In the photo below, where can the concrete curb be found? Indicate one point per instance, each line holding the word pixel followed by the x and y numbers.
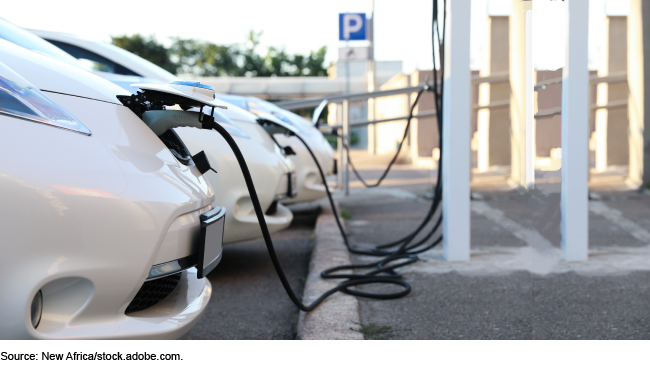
pixel 334 318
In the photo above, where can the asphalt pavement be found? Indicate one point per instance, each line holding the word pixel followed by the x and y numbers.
pixel 493 296
pixel 481 299
pixel 248 301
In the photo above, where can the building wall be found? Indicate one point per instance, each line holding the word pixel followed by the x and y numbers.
pixel 548 130
pixel 427 127
pixel 611 125
pixel 389 134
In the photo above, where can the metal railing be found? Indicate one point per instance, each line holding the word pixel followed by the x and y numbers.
pixel 343 137
pixel 593 79
pixel 494 78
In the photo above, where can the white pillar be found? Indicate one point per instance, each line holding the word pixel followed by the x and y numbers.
pixel 456 133
pixel 575 133
pixel 530 103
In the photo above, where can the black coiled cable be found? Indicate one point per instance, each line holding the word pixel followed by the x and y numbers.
pixel 352 279
pixel 384 270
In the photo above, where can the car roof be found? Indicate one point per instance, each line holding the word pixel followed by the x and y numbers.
pixel 113 53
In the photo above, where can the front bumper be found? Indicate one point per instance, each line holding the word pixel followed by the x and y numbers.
pixel 169 319
pixel 246 225
pixel 309 183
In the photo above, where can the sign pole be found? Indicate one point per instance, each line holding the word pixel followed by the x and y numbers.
pixel 371 79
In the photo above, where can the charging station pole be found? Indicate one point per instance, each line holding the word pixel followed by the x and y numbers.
pixel 575 134
pixel 456 132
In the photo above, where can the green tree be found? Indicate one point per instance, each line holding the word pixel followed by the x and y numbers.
pixel 252 63
pixel 147 48
pixel 313 65
pixel 279 63
pixel 202 58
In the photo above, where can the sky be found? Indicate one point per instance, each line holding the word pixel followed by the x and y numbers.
pixel 402 28
pixel 549 28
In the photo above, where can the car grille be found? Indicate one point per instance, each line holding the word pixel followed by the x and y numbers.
pixel 153 292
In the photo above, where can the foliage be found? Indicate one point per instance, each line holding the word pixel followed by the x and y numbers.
pixel 333 141
pixel 372 331
pixel 147 48
pixel 354 138
pixel 202 58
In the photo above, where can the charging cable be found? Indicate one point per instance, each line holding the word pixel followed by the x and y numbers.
pixel 384 270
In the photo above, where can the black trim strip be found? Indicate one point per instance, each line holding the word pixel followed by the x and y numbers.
pixel 172 267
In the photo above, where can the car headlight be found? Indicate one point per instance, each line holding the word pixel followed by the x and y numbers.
pixel 20 99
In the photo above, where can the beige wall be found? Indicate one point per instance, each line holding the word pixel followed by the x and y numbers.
pixel 388 134
pixel 493 122
pixel 425 137
pixel 548 130
pixel 611 133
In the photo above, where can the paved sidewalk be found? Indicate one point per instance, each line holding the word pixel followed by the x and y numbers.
pixel 515 286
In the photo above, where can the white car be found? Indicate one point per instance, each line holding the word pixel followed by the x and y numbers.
pixel 274 175
pixel 102 228
pixel 310 184
pixel 272 172
pixel 111 59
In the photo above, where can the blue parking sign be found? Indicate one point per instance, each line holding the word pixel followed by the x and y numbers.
pixel 352 27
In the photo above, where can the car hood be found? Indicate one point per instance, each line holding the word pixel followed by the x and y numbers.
pixel 52 75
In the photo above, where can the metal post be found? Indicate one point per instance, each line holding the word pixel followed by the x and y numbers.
pixel 575 134
pixel 456 133
pixel 345 142
pixel 339 147
pixel 372 129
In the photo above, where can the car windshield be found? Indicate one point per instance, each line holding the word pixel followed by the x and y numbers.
pixel 234 100
pixel 259 106
pixel 159 73
pixel 25 39
pixel 92 61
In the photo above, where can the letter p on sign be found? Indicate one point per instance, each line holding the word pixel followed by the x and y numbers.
pixel 352 27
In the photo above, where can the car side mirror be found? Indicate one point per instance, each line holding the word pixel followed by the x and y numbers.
pixel 317 112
